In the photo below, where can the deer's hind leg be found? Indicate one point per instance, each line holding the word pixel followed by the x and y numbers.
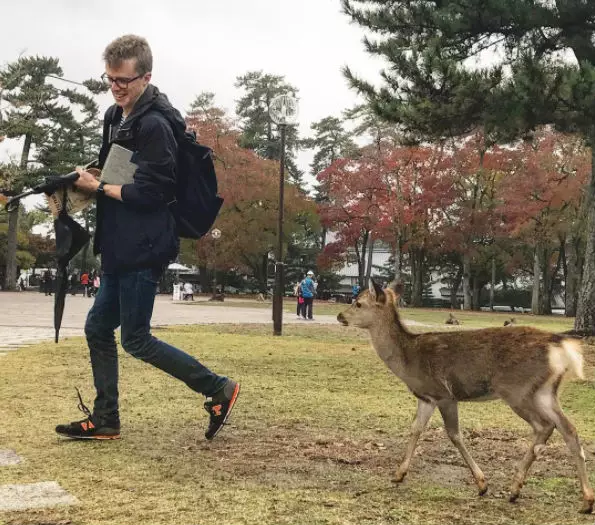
pixel 425 409
pixel 542 430
pixel 546 402
pixel 450 416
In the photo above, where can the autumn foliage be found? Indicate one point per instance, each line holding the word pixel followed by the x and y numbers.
pixel 468 198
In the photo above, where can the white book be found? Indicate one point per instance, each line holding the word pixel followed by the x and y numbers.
pixel 118 169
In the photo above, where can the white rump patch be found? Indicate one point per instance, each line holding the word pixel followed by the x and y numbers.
pixel 565 357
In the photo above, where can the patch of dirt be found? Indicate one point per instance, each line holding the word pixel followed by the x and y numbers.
pixel 34 521
pixel 292 457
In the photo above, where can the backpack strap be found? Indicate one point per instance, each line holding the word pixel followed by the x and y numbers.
pixel 108 122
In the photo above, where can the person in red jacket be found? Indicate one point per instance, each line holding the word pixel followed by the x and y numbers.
pixel 85 283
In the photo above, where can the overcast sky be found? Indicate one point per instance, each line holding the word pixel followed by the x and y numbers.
pixel 200 46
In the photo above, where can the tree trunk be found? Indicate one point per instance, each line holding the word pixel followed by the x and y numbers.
pixel 361 260
pixel 323 238
pixel 263 276
pixel 536 296
pixel 467 298
pixel 417 287
pixel 585 312
pixel 476 293
pixel 492 284
pixel 454 290
pixel 10 279
pixel 204 278
pixel 571 276
pixel 549 279
pixel 398 256
pixel 369 263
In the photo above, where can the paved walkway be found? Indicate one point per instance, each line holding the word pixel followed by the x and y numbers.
pixel 28 317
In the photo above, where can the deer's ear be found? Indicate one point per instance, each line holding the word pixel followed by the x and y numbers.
pixel 397 287
pixel 376 291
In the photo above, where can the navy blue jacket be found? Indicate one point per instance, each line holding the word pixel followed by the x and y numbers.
pixel 140 231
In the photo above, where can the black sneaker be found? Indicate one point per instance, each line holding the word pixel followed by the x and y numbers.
pixel 88 428
pixel 219 412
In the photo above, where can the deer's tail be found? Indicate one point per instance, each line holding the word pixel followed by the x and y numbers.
pixel 567 357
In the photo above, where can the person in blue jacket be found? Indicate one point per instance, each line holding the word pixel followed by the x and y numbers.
pixel 308 291
pixel 355 290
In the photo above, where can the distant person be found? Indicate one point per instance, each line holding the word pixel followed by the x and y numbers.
pixel 47 282
pixel 188 292
pixel 308 289
pixel 297 291
pixel 85 284
pixel 96 283
pixel 355 290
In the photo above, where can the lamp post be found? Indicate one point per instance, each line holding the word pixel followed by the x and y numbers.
pixel 283 112
pixel 215 235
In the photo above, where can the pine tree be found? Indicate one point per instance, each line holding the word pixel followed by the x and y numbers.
pixel 259 132
pixel 436 88
pixel 37 112
pixel 330 142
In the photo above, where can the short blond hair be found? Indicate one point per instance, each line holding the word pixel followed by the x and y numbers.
pixel 126 47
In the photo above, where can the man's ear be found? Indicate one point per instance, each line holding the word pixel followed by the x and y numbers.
pixel 376 291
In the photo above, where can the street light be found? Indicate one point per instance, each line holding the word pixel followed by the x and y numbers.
pixel 215 235
pixel 283 112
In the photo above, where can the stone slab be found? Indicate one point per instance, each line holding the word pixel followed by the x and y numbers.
pixel 34 496
pixel 9 457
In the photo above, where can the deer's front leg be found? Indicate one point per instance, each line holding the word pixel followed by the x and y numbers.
pixel 450 415
pixel 425 409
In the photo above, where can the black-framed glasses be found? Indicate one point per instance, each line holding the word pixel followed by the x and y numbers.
pixel 122 83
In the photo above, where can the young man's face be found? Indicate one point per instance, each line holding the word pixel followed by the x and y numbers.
pixel 127 91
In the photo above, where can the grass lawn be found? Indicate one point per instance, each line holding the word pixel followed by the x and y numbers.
pixel 318 430
pixel 554 323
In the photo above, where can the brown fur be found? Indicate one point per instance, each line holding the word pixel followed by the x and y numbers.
pixel 522 366
pixel 452 320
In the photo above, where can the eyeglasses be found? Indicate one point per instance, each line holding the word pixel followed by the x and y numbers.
pixel 122 83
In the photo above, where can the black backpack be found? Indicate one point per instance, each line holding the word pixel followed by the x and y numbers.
pixel 196 203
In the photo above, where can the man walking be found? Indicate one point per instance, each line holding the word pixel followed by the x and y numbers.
pixel 136 236
pixel 308 290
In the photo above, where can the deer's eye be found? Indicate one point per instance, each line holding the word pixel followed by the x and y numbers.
pixel 358 305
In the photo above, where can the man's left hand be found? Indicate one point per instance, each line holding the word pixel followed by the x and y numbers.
pixel 86 181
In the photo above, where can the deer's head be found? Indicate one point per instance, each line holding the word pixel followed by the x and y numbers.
pixel 370 305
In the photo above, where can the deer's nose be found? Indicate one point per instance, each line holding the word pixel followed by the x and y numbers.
pixel 342 320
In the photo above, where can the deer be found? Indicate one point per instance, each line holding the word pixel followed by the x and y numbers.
pixel 452 320
pixel 522 366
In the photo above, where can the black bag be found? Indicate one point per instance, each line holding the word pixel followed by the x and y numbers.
pixel 197 203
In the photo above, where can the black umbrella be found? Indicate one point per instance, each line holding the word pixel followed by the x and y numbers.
pixel 71 237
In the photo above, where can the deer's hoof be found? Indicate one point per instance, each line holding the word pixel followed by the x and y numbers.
pixel 513 497
pixel 399 477
pixel 483 488
pixel 587 507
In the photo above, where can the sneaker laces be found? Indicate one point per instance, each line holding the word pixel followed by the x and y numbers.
pixel 81 406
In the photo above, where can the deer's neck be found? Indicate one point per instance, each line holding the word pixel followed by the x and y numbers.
pixel 393 342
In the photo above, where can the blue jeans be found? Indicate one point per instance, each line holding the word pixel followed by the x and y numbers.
pixel 126 299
